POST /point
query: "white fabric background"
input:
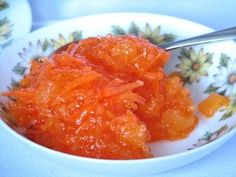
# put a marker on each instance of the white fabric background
(15, 161)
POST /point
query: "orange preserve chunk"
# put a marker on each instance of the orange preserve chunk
(170, 114)
(131, 58)
(66, 105)
(103, 97)
(212, 103)
(126, 54)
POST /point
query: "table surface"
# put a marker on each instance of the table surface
(15, 161)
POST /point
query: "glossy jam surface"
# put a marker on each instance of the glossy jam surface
(212, 103)
(131, 58)
(105, 97)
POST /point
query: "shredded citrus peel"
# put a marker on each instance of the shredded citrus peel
(105, 97)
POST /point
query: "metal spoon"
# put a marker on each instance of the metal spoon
(225, 34)
(221, 35)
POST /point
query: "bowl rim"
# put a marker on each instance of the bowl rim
(100, 15)
(20, 137)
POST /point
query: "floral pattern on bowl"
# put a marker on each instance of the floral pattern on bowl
(212, 136)
(153, 35)
(193, 64)
(225, 83)
(42, 48)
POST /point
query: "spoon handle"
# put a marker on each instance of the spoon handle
(221, 35)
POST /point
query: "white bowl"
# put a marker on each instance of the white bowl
(208, 135)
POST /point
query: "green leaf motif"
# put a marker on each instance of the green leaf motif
(148, 31)
(45, 45)
(19, 69)
(222, 129)
(169, 37)
(207, 136)
(14, 84)
(211, 136)
(6, 43)
(77, 35)
(224, 60)
(226, 116)
(3, 5)
(117, 30)
(210, 89)
(185, 52)
(62, 40)
(134, 29)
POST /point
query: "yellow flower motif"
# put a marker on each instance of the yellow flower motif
(60, 42)
(74, 36)
(153, 35)
(193, 64)
(5, 29)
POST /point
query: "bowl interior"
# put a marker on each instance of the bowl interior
(205, 68)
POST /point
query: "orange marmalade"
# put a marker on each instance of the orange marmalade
(104, 97)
